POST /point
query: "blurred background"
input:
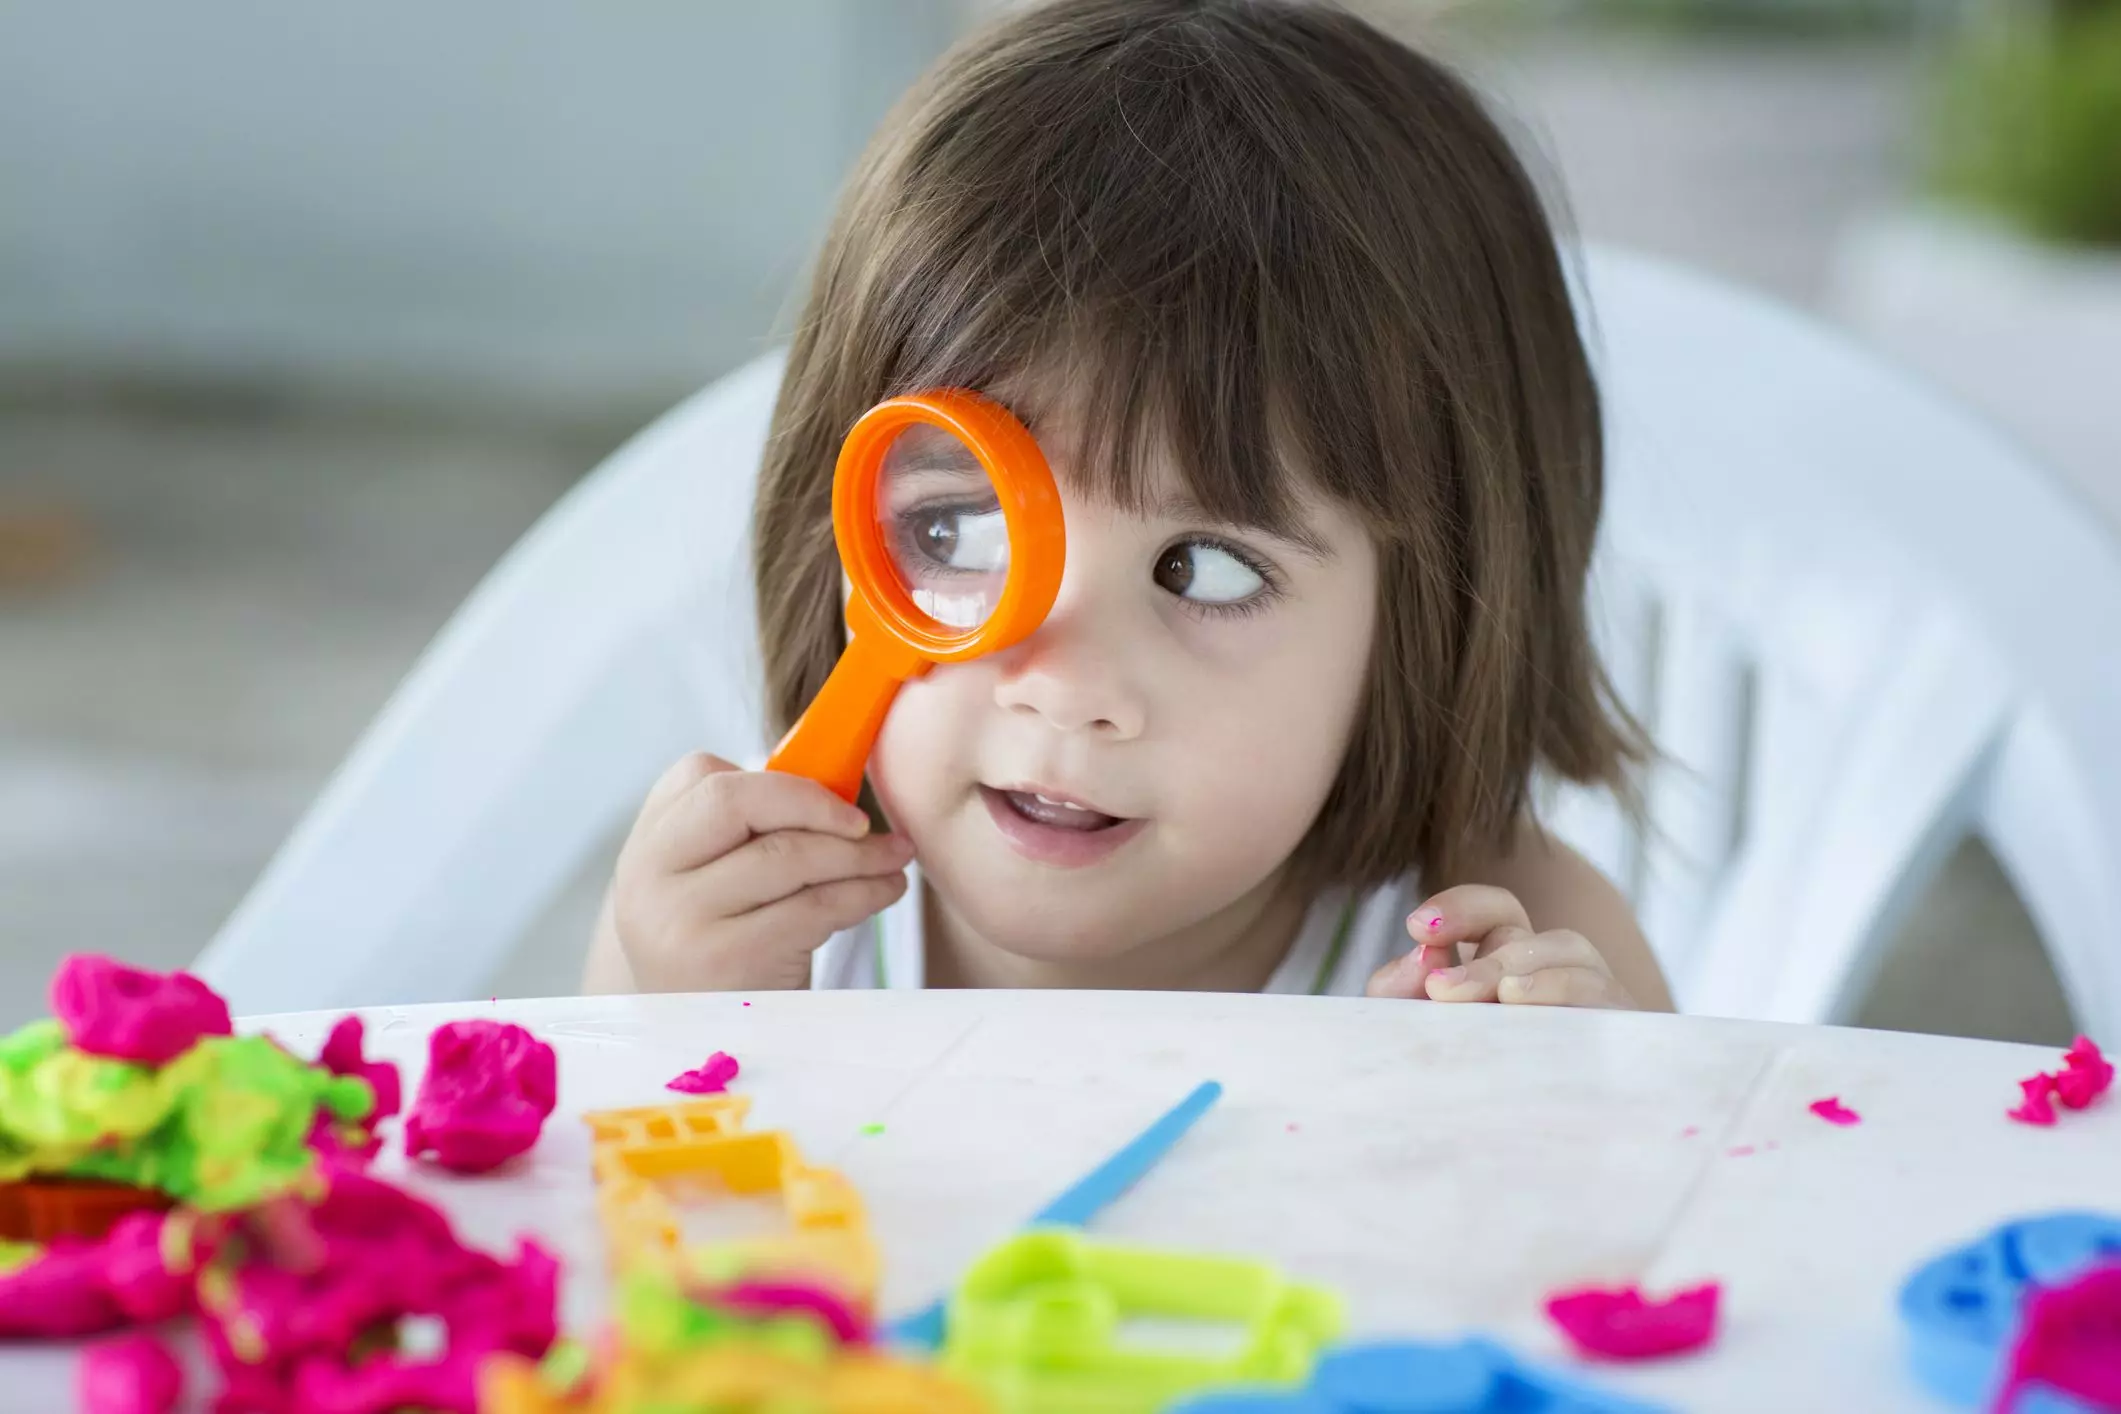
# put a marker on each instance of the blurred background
(307, 312)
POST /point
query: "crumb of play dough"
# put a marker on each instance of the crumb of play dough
(76, 1287)
(333, 1138)
(2038, 1107)
(132, 1374)
(1690, 1131)
(764, 1299)
(128, 1013)
(486, 1092)
(2086, 1074)
(1740, 1151)
(872, 1129)
(1833, 1111)
(711, 1077)
(1622, 1324)
(297, 1312)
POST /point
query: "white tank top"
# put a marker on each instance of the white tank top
(1345, 937)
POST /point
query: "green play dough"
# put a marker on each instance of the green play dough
(659, 1319)
(222, 1126)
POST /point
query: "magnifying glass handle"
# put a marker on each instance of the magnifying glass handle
(831, 741)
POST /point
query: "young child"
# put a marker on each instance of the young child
(1285, 316)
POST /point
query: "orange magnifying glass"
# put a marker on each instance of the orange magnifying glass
(949, 529)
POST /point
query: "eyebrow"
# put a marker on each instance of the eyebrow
(1297, 536)
(926, 455)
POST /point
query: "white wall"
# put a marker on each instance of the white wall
(525, 197)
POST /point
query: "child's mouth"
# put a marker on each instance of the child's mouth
(1055, 831)
(1060, 814)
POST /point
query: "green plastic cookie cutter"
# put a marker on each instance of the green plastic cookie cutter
(1040, 1322)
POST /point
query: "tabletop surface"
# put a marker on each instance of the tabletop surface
(1442, 1167)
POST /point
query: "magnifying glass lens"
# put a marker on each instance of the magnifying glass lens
(943, 523)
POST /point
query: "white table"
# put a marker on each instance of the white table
(1443, 1167)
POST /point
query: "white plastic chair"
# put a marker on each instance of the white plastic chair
(1860, 623)
(613, 638)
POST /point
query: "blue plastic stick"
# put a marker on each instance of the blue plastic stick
(1090, 1195)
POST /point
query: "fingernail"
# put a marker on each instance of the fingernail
(1509, 989)
(1429, 919)
(1450, 976)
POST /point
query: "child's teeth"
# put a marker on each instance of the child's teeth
(1049, 800)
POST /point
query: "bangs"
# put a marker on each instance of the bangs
(1152, 273)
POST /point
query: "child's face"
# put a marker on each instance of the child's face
(1194, 687)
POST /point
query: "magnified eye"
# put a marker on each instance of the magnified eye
(956, 539)
(1207, 573)
(942, 523)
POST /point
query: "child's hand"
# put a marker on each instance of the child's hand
(732, 878)
(1511, 963)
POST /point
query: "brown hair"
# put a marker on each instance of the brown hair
(1286, 246)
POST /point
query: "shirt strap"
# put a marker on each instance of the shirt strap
(1324, 980)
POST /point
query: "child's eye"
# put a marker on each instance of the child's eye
(1210, 574)
(953, 540)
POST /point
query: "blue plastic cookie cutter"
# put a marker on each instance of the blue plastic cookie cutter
(1474, 1376)
(1962, 1309)
(1085, 1199)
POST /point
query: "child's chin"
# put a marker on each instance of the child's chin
(1039, 932)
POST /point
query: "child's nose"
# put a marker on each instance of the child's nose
(1059, 674)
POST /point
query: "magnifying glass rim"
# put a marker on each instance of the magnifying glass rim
(1023, 485)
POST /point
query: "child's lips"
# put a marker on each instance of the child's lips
(1053, 806)
(1060, 814)
(1050, 829)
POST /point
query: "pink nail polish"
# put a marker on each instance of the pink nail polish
(1435, 921)
(1450, 976)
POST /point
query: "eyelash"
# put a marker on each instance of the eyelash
(910, 520)
(1269, 578)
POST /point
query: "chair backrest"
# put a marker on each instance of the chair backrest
(1863, 625)
(1858, 622)
(613, 638)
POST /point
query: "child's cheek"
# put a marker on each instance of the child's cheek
(915, 766)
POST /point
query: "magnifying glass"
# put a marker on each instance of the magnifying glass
(949, 528)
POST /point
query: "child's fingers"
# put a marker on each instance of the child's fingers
(684, 773)
(776, 866)
(798, 925)
(1516, 953)
(723, 809)
(1466, 914)
(769, 948)
(1407, 977)
(1565, 986)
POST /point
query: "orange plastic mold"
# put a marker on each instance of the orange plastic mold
(643, 1158)
(736, 1378)
(43, 1210)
